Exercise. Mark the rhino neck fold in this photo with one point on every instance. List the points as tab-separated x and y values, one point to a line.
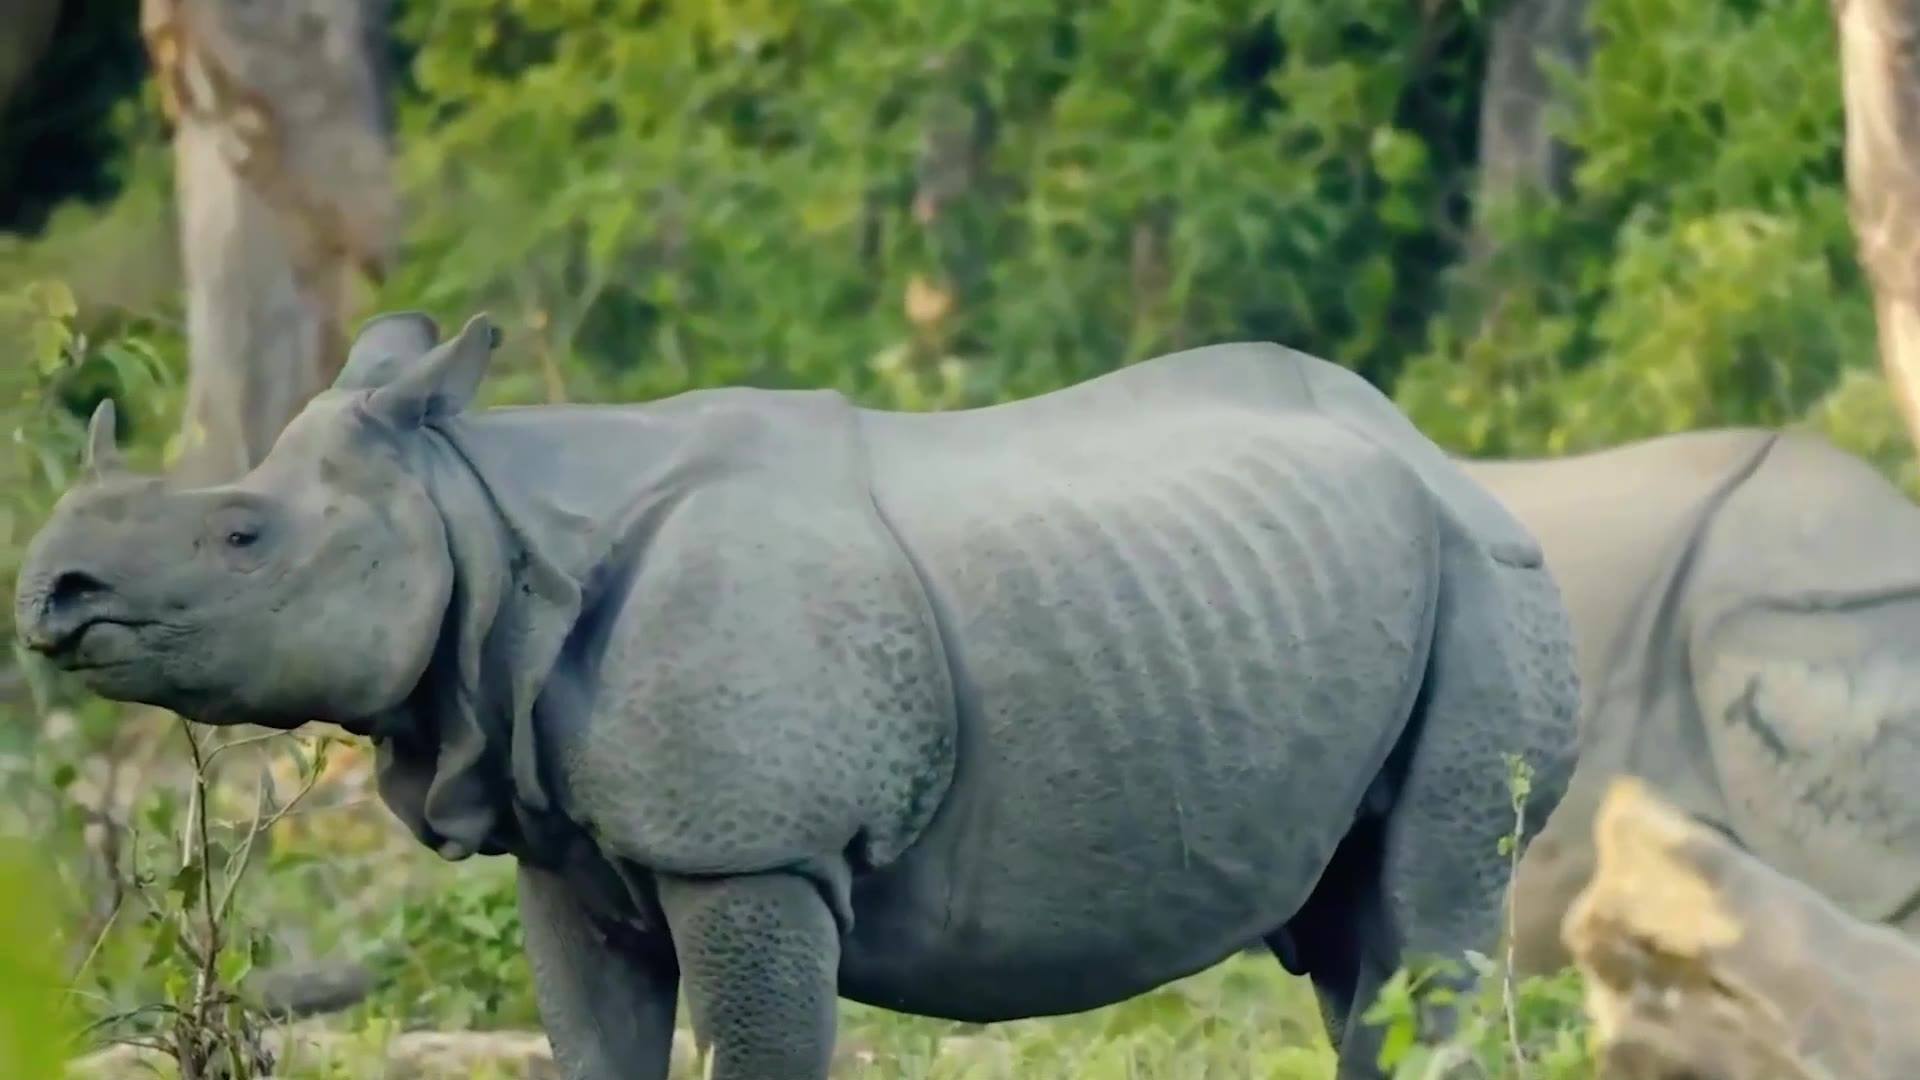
548	512
459	760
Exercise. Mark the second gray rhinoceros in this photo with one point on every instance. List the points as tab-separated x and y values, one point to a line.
1746	610
987	714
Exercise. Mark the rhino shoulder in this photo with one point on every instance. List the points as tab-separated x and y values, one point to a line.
774	689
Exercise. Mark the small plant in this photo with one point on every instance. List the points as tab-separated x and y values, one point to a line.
1519	787
189	921
1509	1028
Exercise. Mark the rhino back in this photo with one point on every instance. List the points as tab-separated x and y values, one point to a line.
1184	638
1610	522
1806	650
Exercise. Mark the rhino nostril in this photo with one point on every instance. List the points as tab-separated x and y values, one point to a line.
73	586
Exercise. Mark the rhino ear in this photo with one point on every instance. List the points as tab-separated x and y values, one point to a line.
101	455
441	383
386	345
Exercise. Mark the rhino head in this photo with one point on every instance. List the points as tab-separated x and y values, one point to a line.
312	588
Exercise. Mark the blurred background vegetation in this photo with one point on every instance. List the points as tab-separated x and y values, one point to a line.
954	203
1541	225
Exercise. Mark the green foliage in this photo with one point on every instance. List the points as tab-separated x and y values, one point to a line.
927	204
1533	1030
454	957
182	889
34	1020
1700	272
940	205
1505	1028
1243	1018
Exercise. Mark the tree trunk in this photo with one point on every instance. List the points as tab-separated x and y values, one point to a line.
1519	154
282	156
1703	963
29	28
1880	71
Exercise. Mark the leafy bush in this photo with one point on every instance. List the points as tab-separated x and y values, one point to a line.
1701	271
929	204
453	957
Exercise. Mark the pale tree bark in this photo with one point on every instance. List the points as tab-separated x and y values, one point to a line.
282	156
1703	963
1880	72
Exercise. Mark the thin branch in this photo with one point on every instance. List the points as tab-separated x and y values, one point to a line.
123	1017
204	983
327	808
248	741
259	826
100	938
239	867
142	1044
1519	780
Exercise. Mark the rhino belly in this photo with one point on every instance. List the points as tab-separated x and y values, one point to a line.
1176	687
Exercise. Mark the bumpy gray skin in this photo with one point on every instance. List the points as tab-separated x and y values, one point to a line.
982	715
1746	611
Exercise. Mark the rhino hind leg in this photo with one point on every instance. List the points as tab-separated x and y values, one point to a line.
1500	681
1421	874
1327	939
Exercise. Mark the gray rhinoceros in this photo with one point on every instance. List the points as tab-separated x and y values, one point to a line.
1746	612
987	714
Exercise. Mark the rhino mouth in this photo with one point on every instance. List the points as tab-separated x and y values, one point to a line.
68	652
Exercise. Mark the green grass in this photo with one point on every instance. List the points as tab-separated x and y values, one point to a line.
1243	1018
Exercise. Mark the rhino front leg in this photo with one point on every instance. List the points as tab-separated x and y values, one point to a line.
607	1011
760	954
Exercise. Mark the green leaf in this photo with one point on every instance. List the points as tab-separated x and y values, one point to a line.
233	966
1399	157
53	298
186	881
165	937
302	760
477	925
1398	1040
47	346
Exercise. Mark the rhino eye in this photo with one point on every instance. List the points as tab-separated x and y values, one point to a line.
239	533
